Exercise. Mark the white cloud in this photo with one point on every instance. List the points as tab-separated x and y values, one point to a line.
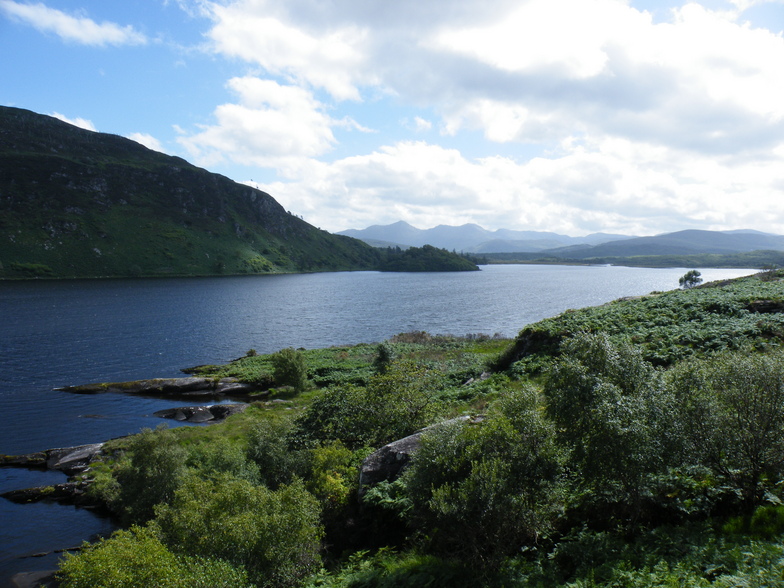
76	29
327	59
148	141
643	124
82	123
272	125
613	185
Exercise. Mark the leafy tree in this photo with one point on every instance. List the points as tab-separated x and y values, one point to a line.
690	279
137	558
290	368
274	535
614	415
733	415
481	491
150	474
269	448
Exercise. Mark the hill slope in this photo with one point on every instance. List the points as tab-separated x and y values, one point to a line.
75	203
690	242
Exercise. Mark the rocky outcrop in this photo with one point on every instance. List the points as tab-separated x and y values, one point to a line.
389	462
69	460
201	414
766	306
190	387
65	493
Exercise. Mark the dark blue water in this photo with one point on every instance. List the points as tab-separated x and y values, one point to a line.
71	332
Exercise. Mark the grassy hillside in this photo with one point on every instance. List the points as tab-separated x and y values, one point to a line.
84	204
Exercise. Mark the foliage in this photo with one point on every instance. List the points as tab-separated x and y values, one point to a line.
290	369
423	259
690	279
150	474
136	558
614	416
274	535
394	404
269	448
480	492
670	326
733	412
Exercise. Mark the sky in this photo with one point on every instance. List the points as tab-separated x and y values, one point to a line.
636	117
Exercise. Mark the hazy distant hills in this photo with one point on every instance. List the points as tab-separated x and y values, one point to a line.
85	204
597	247
689	242
472	238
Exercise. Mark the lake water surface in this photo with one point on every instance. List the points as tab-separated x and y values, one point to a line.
56	333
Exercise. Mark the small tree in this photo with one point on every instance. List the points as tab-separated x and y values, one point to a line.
290	369
690	279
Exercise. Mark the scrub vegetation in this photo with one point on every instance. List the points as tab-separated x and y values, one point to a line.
640	443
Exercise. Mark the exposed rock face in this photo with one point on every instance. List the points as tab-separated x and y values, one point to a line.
201	414
69	460
389	462
190	387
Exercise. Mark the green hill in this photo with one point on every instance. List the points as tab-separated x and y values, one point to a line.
75	203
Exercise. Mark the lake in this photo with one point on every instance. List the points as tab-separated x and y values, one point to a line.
56	333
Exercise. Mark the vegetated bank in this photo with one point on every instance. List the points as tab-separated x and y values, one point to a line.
76	203
640	443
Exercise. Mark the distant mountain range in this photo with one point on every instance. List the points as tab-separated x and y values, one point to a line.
471	238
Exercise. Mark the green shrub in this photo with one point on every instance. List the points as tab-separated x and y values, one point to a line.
616	418
290	369
394	404
480	492
150	474
274	535
733	413
136	558
269	448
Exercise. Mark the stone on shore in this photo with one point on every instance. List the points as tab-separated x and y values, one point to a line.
169	387
201	414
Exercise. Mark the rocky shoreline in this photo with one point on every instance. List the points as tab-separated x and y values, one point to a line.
73	461
188	387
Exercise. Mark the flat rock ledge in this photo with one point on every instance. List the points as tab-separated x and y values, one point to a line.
190	387
65	493
201	414
388	463
69	460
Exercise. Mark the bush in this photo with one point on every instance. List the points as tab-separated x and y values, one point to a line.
149	475
290	369
274	535
733	414
615	417
269	448
394	405
137	558
480	492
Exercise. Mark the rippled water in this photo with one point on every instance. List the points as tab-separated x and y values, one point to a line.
70	332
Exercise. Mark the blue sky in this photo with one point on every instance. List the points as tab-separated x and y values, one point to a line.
574	116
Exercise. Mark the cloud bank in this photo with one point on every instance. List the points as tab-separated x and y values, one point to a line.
75	29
